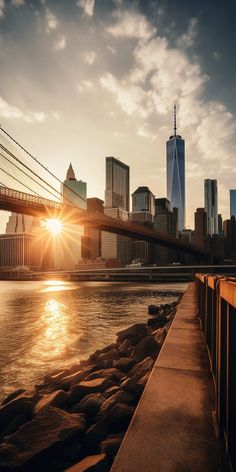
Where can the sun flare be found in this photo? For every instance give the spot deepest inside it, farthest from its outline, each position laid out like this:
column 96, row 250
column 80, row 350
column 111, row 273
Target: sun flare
column 54, row 226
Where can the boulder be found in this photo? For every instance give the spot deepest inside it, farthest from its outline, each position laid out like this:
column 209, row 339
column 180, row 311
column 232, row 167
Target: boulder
column 124, row 364
column 111, row 445
column 106, row 359
column 120, row 397
column 74, row 378
column 89, row 386
column 160, row 336
column 13, row 395
column 57, row 398
column 143, row 367
column 110, row 373
column 118, row 417
column 147, row 347
column 95, row 434
column 132, row 385
column 49, row 428
column 91, row 403
column 95, row 463
column 126, row 346
column 158, row 323
column 14, row 425
column 134, row 333
column 153, row 310
column 144, row 380
column 110, row 391
column 23, row 404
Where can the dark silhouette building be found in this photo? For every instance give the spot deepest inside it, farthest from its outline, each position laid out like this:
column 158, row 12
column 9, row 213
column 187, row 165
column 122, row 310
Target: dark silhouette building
column 92, row 238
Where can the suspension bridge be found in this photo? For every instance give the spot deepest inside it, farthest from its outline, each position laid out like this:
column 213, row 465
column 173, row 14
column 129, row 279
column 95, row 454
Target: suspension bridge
column 23, row 180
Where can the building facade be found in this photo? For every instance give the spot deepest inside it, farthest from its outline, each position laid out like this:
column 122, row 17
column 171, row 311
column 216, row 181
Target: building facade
column 117, row 193
column 165, row 221
column 211, row 205
column 117, row 196
column 143, row 210
column 175, row 167
column 92, row 238
column 232, row 196
column 200, row 227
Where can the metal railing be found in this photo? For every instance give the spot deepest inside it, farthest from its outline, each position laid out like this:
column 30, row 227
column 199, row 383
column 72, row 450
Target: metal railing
column 22, row 197
column 217, row 311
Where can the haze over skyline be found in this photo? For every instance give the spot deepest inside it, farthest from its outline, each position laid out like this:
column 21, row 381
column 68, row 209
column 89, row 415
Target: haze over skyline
column 82, row 80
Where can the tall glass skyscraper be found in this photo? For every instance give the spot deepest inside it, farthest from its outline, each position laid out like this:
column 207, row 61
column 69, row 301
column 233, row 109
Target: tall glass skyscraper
column 232, row 194
column 175, row 165
column 117, row 184
column 211, row 205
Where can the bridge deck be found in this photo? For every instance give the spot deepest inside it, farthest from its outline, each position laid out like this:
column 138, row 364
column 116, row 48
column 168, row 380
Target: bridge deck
column 173, row 429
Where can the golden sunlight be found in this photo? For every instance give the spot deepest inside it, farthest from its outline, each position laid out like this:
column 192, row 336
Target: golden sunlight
column 53, row 225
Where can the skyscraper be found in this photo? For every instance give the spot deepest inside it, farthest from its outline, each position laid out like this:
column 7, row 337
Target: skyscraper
column 211, row 205
column 115, row 246
column 232, row 194
column 143, row 209
column 175, row 165
column 117, row 184
column 200, row 230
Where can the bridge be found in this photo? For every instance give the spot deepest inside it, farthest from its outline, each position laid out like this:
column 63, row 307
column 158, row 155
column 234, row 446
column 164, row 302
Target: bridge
column 21, row 202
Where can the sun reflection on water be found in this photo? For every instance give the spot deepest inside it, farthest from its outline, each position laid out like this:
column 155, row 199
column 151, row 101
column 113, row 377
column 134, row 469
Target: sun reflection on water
column 54, row 336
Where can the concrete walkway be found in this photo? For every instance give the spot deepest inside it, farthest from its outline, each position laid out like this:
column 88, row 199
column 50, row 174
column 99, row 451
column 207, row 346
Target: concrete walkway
column 173, row 426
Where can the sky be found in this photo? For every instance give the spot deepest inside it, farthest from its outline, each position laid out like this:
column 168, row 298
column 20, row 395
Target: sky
column 86, row 79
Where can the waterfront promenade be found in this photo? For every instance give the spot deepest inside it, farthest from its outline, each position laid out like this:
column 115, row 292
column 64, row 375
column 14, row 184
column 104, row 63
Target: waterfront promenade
column 174, row 428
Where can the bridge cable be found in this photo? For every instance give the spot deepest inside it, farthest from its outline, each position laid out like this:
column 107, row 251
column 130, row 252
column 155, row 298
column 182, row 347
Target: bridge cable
column 17, row 180
column 42, row 165
column 25, row 173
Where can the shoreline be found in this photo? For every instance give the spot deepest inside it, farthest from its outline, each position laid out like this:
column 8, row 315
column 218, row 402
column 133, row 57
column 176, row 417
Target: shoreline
column 80, row 414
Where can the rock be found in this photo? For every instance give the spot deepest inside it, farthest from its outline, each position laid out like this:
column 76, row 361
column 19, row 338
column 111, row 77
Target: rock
column 134, row 333
column 143, row 367
column 111, row 373
column 106, row 359
column 89, row 386
column 110, row 391
column 147, row 347
column 120, row 397
column 124, row 364
column 23, row 404
column 160, row 336
column 156, row 322
column 153, row 310
column 49, row 428
column 14, row 425
column 95, row 463
column 144, row 380
column 126, row 347
column 91, row 403
column 57, row 398
column 132, row 385
column 74, row 378
column 95, row 434
column 118, row 417
column 13, row 395
column 111, row 445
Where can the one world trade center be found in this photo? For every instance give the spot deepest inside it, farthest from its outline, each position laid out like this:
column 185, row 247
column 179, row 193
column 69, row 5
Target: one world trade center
column 175, row 165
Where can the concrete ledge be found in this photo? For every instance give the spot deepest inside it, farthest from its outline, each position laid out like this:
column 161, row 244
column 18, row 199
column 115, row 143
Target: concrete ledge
column 173, row 428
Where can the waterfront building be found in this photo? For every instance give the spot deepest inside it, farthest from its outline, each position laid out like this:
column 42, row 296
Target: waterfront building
column 230, row 237
column 117, row 193
column 115, row 246
column 200, row 227
column 67, row 247
column 92, row 238
column 232, row 194
column 165, row 221
column 19, row 223
column 143, row 210
column 211, row 205
column 175, row 167
column 25, row 250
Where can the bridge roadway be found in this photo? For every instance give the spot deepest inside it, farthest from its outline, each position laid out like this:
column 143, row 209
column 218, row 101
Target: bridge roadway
column 24, row 203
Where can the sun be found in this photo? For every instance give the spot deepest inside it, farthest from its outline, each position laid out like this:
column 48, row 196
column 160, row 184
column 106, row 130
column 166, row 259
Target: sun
column 54, row 226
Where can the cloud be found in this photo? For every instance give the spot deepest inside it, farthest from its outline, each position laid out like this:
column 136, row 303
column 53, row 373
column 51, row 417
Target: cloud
column 8, row 111
column 51, row 21
column 2, row 7
column 143, row 132
column 87, row 6
column 17, row 3
column 131, row 24
column 187, row 39
column 89, row 57
column 84, row 86
column 60, row 43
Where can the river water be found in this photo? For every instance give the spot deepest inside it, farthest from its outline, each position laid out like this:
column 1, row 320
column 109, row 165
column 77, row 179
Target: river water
column 51, row 324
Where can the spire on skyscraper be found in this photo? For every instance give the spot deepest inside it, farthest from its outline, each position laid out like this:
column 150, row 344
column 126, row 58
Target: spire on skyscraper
column 175, row 128
column 70, row 175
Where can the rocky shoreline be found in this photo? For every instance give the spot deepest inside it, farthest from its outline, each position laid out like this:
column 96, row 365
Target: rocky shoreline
column 75, row 419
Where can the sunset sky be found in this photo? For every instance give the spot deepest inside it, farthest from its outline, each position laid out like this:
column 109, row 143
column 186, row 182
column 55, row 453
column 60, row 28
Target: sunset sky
column 82, row 80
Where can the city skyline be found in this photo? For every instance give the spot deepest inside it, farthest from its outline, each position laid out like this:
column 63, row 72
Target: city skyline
column 101, row 78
